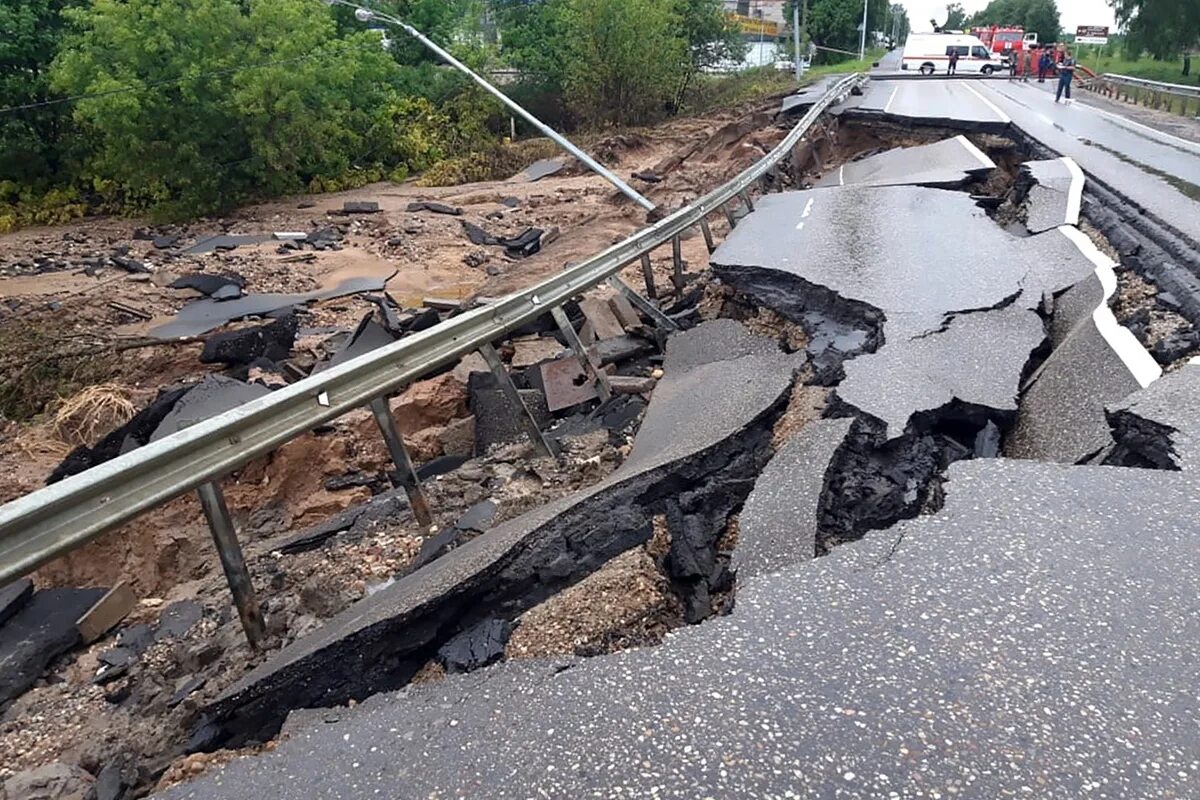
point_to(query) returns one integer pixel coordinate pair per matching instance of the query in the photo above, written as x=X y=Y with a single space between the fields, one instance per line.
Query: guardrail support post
x=660 y=320
x=405 y=474
x=708 y=237
x=589 y=362
x=746 y=199
x=677 y=263
x=648 y=276
x=212 y=500
x=729 y=216
x=514 y=398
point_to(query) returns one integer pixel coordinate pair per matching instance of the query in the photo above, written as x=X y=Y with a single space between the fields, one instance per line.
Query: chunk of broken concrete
x=243 y=346
x=107 y=613
x=40 y=631
x=947 y=164
x=210 y=284
x=778 y=524
x=1053 y=192
x=360 y=207
x=599 y=313
x=53 y=781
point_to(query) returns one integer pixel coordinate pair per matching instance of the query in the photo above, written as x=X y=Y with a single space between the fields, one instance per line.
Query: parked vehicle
x=930 y=53
x=1006 y=39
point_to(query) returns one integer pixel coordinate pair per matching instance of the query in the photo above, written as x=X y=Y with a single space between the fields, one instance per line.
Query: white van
x=930 y=53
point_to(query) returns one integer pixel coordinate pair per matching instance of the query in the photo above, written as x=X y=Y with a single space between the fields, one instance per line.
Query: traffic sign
x=1091 y=34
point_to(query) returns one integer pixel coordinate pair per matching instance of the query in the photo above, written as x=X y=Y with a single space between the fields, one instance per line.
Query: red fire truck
x=1006 y=39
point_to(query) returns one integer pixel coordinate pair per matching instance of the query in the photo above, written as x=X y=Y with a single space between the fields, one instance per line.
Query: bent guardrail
x=50 y=522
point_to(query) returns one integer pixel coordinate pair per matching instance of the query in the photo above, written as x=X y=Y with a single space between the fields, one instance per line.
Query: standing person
x=1013 y=55
x=953 y=61
x=1043 y=66
x=1066 y=73
x=1028 y=65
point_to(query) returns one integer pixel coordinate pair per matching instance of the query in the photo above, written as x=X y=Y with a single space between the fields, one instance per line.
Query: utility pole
x=796 y=38
x=862 y=41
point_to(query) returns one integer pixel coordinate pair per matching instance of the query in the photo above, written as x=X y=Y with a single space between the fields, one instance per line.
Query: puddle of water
x=1184 y=187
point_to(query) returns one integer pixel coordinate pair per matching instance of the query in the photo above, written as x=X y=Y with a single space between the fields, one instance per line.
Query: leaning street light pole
x=364 y=14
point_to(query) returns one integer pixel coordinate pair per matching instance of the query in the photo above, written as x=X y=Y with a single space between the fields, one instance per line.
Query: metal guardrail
x=59 y=518
x=1154 y=93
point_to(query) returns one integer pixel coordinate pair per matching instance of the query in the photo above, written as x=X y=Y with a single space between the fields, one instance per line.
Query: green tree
x=835 y=23
x=956 y=17
x=623 y=58
x=1038 y=16
x=31 y=140
x=712 y=38
x=1162 y=28
x=211 y=101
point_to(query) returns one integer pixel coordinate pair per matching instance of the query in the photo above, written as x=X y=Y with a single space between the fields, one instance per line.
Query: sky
x=1072 y=12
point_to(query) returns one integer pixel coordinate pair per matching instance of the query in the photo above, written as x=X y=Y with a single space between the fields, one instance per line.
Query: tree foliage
x=956 y=17
x=1163 y=28
x=1039 y=16
x=30 y=139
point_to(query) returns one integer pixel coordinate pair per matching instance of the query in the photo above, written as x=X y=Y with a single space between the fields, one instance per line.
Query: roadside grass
x=1148 y=68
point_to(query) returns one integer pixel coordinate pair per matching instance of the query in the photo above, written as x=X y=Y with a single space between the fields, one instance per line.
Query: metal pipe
x=405 y=474
x=366 y=14
x=588 y=361
x=648 y=277
x=212 y=500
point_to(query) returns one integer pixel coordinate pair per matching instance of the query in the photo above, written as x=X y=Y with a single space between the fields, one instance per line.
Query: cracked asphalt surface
x=1035 y=637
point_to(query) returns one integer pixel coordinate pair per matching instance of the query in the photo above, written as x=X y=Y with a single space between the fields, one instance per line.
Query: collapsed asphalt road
x=986 y=628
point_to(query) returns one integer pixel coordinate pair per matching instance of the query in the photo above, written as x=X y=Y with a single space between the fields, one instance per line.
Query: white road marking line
x=892 y=97
x=1133 y=355
x=809 y=204
x=975 y=151
x=1075 y=193
x=842 y=175
x=1127 y=121
x=1003 y=117
x=800 y=226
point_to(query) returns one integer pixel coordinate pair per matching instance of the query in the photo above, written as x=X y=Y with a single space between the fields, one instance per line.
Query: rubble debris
x=368 y=336
x=477 y=519
x=685 y=441
x=131 y=435
x=224 y=242
x=647 y=176
x=542 y=168
x=214 y=395
x=107 y=613
x=175 y=621
x=204 y=315
x=1052 y=192
x=1158 y=427
x=496 y=421
x=441 y=303
x=946 y=164
x=360 y=207
x=244 y=346
x=777 y=527
x=435 y=207
x=620 y=348
x=221 y=287
x=110 y=783
x=565 y=383
x=13 y=597
x=131 y=265
x=599 y=314
x=41 y=630
x=626 y=314
x=631 y=384
x=523 y=244
x=391 y=507
x=530 y=350
x=476 y=647
x=164 y=242
x=53 y=781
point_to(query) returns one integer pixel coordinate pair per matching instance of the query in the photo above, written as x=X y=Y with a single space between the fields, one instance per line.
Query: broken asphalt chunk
x=708 y=427
x=214 y=395
x=211 y=285
x=476 y=647
x=1053 y=192
x=1159 y=426
x=13 y=597
x=40 y=631
x=778 y=524
x=360 y=207
x=243 y=346
x=948 y=164
x=435 y=207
